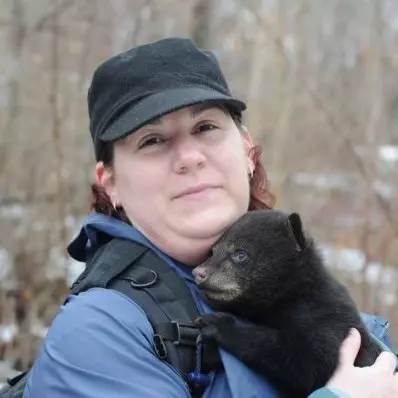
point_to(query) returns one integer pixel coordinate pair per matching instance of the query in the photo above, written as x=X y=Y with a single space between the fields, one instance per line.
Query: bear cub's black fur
x=266 y=270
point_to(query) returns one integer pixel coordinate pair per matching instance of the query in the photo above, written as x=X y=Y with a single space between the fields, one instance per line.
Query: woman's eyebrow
x=154 y=121
x=197 y=110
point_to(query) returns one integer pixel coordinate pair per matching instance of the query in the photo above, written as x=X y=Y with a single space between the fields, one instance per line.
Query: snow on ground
x=7 y=332
x=374 y=273
x=5 y=372
x=388 y=153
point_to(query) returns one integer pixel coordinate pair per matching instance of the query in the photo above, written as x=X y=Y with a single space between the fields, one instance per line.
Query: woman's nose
x=189 y=155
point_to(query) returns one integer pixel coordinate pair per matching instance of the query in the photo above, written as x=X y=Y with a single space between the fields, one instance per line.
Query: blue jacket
x=100 y=344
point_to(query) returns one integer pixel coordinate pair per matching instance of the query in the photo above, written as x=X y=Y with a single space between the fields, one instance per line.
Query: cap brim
x=159 y=104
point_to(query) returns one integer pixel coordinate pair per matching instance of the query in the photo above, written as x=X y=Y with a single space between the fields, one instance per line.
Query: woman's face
x=182 y=180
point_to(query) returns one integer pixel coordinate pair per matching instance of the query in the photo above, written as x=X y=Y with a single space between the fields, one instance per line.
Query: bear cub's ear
x=296 y=230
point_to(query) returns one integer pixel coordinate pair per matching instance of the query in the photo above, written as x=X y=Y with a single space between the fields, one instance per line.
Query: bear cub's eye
x=239 y=256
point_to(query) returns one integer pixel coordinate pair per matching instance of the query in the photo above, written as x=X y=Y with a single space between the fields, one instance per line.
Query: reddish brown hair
x=260 y=194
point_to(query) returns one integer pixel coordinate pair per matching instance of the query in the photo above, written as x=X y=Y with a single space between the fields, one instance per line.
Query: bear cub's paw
x=213 y=326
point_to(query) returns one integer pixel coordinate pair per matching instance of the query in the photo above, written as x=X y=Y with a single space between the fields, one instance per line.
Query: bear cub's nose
x=200 y=275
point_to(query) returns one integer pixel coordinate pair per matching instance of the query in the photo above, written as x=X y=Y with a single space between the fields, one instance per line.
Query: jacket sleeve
x=100 y=345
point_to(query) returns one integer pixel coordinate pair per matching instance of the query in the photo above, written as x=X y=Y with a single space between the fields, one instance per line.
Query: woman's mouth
x=196 y=192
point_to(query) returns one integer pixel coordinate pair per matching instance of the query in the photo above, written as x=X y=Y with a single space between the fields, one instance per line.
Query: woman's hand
x=376 y=381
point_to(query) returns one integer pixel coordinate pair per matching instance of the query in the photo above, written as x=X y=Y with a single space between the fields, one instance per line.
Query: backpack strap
x=15 y=386
x=139 y=273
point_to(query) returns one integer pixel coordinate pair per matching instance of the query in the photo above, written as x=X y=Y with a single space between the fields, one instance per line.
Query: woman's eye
x=239 y=256
x=151 y=141
x=206 y=127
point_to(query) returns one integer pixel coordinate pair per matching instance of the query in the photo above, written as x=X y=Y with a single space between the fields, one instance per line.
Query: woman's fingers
x=375 y=381
x=349 y=348
x=386 y=362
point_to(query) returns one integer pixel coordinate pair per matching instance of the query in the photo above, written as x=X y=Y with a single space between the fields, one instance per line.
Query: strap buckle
x=185 y=333
x=160 y=347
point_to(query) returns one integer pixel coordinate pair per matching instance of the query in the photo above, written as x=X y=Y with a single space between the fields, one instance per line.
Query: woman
x=175 y=167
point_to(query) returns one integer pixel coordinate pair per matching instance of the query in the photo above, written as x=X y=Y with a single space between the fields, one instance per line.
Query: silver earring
x=251 y=172
x=114 y=204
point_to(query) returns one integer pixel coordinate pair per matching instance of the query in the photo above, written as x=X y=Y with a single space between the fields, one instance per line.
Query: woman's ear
x=248 y=144
x=105 y=178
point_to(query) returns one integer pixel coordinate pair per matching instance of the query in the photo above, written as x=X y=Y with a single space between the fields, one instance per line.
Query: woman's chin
x=207 y=224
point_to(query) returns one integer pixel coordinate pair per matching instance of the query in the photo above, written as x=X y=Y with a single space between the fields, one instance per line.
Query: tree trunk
x=201 y=23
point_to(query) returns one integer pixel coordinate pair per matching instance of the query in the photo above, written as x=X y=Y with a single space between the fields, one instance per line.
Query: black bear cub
x=266 y=270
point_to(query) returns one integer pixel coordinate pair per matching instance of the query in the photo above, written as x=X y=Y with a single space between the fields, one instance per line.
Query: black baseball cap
x=146 y=82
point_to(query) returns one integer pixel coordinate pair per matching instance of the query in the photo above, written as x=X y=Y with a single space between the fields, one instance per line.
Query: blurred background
x=321 y=82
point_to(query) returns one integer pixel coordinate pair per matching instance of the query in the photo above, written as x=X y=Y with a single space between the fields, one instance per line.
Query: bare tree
x=201 y=22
